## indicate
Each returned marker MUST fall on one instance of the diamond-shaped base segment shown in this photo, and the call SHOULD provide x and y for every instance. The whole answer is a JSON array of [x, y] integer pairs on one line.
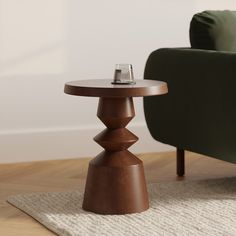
[[116, 139], [114, 123], [115, 112]]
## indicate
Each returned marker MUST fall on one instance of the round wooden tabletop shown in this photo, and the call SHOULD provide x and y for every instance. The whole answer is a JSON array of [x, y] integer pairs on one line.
[[105, 88]]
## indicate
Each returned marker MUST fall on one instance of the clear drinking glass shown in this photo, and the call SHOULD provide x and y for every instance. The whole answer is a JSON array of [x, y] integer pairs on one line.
[[123, 74]]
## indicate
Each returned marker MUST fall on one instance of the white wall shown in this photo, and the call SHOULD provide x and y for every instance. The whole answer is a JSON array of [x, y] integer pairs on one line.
[[202, 5], [45, 43]]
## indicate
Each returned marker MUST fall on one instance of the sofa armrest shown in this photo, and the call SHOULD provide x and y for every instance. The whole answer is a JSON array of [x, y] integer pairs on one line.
[[188, 59], [199, 112]]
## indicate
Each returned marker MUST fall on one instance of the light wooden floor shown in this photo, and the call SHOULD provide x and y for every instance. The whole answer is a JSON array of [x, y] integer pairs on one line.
[[65, 175]]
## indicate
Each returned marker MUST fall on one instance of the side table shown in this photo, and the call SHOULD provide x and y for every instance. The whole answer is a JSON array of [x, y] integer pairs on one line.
[[115, 180]]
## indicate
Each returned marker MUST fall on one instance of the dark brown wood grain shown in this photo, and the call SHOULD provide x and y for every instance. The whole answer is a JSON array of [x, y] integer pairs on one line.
[[115, 181], [105, 88]]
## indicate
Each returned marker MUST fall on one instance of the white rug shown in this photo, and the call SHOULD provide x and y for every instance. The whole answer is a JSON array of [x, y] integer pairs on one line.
[[198, 208]]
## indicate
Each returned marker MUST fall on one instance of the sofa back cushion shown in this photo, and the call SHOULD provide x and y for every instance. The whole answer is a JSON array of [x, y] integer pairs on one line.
[[214, 30]]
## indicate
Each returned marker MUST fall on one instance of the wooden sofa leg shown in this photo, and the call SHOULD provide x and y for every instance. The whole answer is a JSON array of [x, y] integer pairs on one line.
[[180, 162]]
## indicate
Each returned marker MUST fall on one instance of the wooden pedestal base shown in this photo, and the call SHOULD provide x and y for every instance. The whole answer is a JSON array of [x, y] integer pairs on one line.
[[115, 180]]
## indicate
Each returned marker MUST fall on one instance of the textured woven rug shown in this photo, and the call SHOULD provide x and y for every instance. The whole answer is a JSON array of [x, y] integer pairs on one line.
[[199, 208]]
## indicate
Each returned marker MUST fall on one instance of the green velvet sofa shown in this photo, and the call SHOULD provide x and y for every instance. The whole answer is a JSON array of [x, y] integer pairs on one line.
[[199, 112]]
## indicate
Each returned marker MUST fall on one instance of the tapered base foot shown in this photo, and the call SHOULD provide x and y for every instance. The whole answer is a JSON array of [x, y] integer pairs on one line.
[[115, 184]]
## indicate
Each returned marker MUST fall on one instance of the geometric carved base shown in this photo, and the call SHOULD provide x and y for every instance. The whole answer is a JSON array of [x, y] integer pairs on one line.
[[115, 180]]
